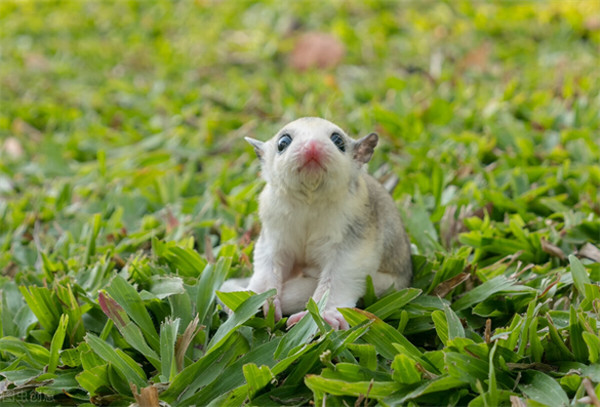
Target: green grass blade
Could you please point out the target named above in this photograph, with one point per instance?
(393, 302)
(542, 388)
(256, 377)
(121, 361)
(57, 343)
(375, 390)
(35, 355)
(210, 281)
(244, 312)
(168, 338)
(580, 276)
(482, 292)
(129, 299)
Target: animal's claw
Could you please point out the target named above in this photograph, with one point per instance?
(335, 319)
(273, 303)
(295, 318)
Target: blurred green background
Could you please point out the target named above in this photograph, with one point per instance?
(139, 104)
(126, 108)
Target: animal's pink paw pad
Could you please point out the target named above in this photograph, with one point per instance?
(335, 319)
(295, 318)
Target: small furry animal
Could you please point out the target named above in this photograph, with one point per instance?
(326, 223)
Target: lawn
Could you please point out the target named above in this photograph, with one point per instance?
(128, 194)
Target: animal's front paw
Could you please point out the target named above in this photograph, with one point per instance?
(335, 319)
(275, 303)
(295, 318)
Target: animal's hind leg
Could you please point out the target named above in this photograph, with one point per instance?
(383, 281)
(296, 293)
(231, 285)
(235, 284)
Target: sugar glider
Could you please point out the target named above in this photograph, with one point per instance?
(326, 223)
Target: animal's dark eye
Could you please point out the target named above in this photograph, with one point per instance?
(338, 140)
(284, 141)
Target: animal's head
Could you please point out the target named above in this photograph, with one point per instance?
(311, 154)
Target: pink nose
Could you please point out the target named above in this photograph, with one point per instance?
(312, 151)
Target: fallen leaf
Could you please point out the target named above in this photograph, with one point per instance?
(316, 50)
(184, 341)
(592, 23)
(516, 401)
(148, 396)
(591, 392)
(445, 287)
(476, 58)
(21, 128)
(37, 62)
(552, 249)
(590, 251)
(13, 148)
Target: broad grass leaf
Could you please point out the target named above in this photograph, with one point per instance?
(62, 382)
(455, 328)
(308, 363)
(130, 331)
(33, 354)
(165, 286)
(349, 371)
(580, 276)
(168, 338)
(439, 384)
(535, 344)
(243, 313)
(185, 260)
(57, 343)
(441, 325)
(90, 245)
(256, 377)
(447, 324)
(205, 370)
(232, 377)
(233, 299)
(129, 299)
(118, 381)
(542, 388)
(70, 357)
(482, 292)
(421, 229)
(20, 377)
(44, 304)
(405, 370)
(374, 389)
(387, 340)
(593, 346)
(466, 368)
(592, 296)
(366, 354)
(210, 280)
(578, 345)
(119, 359)
(392, 303)
(313, 310)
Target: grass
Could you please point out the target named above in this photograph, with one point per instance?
(127, 195)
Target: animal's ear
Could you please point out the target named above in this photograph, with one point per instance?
(259, 146)
(363, 149)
